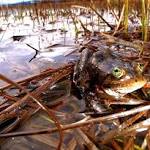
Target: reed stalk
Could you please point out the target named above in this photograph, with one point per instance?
(144, 21)
(126, 14)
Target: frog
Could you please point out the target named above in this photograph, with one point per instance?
(100, 68)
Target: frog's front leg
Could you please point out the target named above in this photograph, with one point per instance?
(93, 103)
(81, 75)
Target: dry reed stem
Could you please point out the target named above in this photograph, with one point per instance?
(34, 96)
(91, 121)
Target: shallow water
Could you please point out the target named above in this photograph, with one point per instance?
(16, 57)
(16, 62)
(55, 38)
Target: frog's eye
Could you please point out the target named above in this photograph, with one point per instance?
(140, 67)
(117, 72)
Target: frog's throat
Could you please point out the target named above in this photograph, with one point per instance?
(121, 88)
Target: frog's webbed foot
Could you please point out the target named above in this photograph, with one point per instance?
(81, 71)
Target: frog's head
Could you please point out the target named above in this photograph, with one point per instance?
(119, 76)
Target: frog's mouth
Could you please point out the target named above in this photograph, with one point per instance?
(120, 88)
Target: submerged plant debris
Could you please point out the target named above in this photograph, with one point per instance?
(75, 75)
